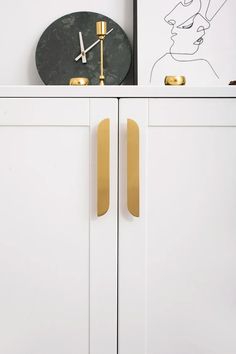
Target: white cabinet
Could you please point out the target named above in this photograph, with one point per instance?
(177, 263)
(170, 284)
(57, 258)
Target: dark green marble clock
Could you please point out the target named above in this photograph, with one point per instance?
(58, 53)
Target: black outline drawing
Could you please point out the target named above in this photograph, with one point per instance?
(202, 29)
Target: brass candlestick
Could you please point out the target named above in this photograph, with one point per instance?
(101, 28)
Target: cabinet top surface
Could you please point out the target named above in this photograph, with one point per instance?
(117, 91)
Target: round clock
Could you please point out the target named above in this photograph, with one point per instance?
(70, 48)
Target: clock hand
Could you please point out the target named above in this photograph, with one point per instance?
(83, 54)
(92, 45)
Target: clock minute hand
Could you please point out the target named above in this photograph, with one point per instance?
(92, 45)
(83, 54)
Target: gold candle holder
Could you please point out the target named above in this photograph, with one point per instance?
(79, 81)
(175, 80)
(101, 30)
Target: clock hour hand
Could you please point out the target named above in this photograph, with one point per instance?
(90, 47)
(83, 54)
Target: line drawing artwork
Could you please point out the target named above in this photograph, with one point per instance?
(189, 21)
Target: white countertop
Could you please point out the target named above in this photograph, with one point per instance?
(116, 91)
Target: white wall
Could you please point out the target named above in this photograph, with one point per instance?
(23, 21)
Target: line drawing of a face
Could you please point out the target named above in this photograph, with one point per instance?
(189, 23)
(188, 27)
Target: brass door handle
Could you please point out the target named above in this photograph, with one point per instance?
(103, 167)
(133, 167)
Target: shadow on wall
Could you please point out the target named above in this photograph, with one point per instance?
(33, 76)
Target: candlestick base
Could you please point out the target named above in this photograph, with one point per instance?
(102, 80)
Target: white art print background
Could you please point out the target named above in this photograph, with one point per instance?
(194, 38)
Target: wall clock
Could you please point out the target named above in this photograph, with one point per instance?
(58, 53)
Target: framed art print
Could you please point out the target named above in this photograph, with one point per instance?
(193, 38)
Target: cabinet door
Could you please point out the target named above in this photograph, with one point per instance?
(177, 261)
(57, 258)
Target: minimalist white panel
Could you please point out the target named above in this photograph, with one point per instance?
(24, 21)
(103, 241)
(132, 231)
(191, 240)
(120, 91)
(58, 260)
(44, 237)
(192, 112)
(177, 262)
(44, 111)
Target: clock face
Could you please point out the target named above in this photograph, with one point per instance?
(58, 53)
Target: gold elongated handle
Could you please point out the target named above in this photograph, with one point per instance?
(103, 167)
(133, 167)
